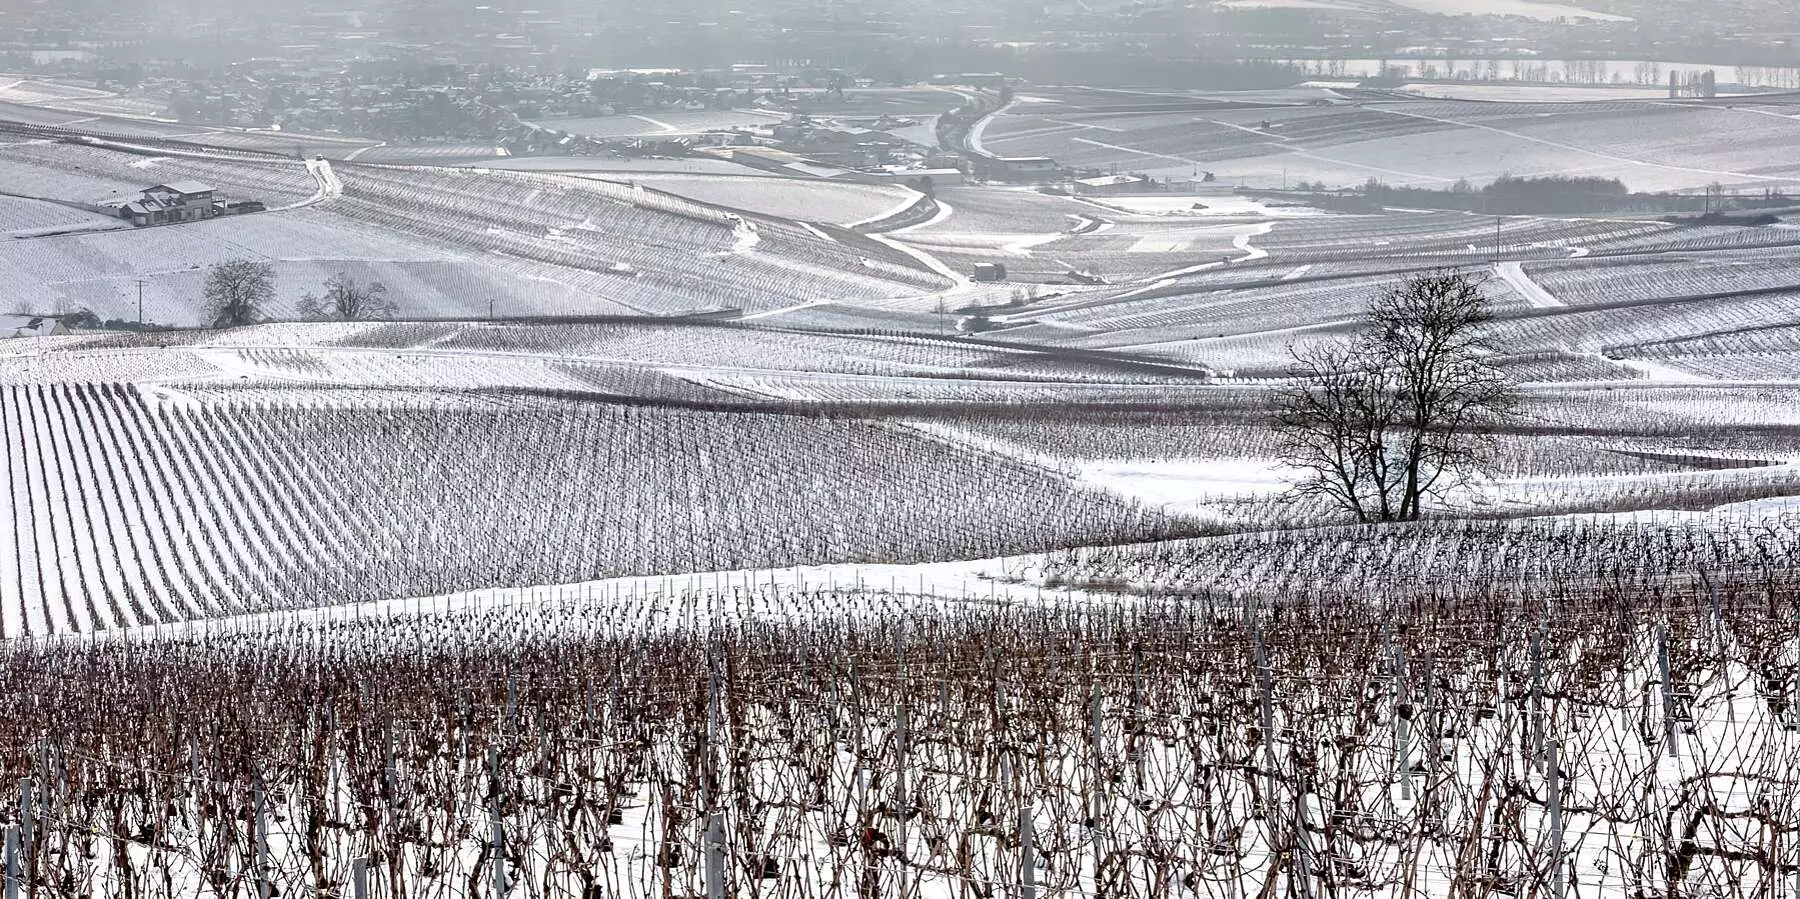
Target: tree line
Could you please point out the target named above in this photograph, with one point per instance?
(1545, 195)
(242, 292)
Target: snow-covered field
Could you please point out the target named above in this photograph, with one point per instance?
(889, 583)
(693, 447)
(1651, 144)
(816, 201)
(554, 244)
(665, 122)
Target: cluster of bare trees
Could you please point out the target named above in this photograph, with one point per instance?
(242, 292)
(758, 743)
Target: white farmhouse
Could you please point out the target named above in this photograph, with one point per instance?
(30, 326)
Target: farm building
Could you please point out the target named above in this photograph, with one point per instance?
(990, 272)
(177, 201)
(1016, 168)
(180, 201)
(30, 326)
(851, 147)
(1114, 185)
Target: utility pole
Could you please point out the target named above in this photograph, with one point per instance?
(140, 287)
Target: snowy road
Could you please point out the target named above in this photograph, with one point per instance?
(1513, 273)
(329, 186)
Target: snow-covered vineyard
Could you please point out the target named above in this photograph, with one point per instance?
(758, 736)
(125, 512)
(717, 533)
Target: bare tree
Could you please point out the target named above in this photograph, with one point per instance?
(238, 292)
(345, 300)
(1383, 421)
(1336, 423)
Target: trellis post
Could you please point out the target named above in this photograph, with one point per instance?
(1537, 695)
(715, 856)
(1265, 682)
(1432, 740)
(1097, 715)
(1718, 616)
(901, 795)
(1402, 726)
(261, 800)
(901, 798)
(1303, 864)
(1553, 789)
(27, 789)
(1137, 715)
(1668, 689)
(12, 863)
(359, 877)
(497, 827)
(1027, 855)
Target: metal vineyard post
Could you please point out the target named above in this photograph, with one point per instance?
(1668, 688)
(715, 856)
(12, 863)
(264, 889)
(1027, 855)
(26, 791)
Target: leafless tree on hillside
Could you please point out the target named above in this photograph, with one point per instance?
(345, 300)
(1383, 421)
(238, 292)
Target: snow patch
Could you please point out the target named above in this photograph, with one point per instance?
(1188, 486)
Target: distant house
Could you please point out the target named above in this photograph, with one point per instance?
(926, 180)
(166, 204)
(1114, 185)
(990, 272)
(1016, 168)
(30, 326)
